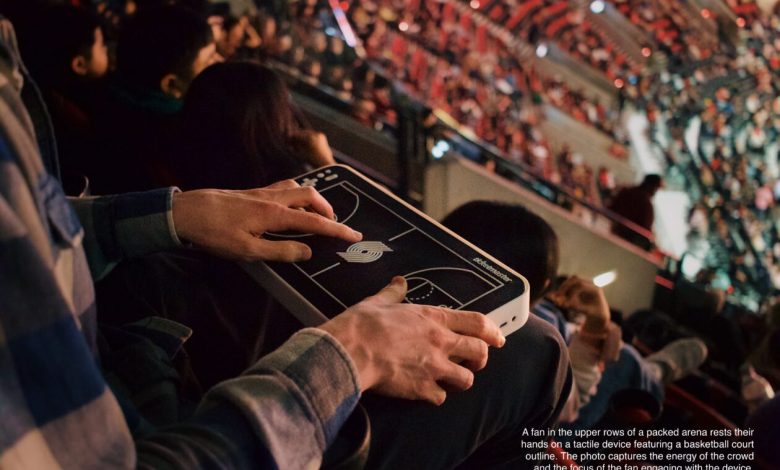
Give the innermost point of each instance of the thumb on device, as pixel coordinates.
(392, 293)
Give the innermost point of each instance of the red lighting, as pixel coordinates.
(706, 13)
(619, 83)
(646, 51)
(741, 22)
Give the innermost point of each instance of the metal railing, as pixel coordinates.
(529, 178)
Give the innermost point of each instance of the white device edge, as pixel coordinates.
(506, 317)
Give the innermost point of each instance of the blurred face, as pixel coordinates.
(320, 43)
(97, 65)
(336, 45)
(216, 22)
(269, 29)
(284, 44)
(233, 38)
(176, 86)
(315, 69)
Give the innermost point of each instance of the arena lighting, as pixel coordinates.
(403, 26)
(605, 279)
(541, 50)
(597, 6)
(741, 22)
(474, 4)
(439, 149)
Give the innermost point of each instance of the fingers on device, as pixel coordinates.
(440, 267)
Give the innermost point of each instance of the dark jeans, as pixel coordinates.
(524, 385)
(222, 305)
(629, 371)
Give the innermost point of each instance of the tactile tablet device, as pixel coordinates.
(440, 267)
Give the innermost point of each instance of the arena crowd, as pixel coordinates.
(146, 146)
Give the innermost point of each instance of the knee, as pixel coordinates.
(540, 343)
(536, 356)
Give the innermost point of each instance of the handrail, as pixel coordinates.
(293, 75)
(523, 171)
(519, 169)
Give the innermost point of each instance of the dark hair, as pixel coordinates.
(652, 181)
(229, 21)
(159, 41)
(514, 235)
(60, 33)
(237, 122)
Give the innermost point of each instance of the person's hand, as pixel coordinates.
(313, 147)
(231, 223)
(582, 296)
(413, 351)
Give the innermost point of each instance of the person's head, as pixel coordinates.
(312, 67)
(284, 44)
(234, 31)
(319, 42)
(267, 28)
(652, 183)
(242, 110)
(65, 46)
(165, 49)
(515, 236)
(336, 45)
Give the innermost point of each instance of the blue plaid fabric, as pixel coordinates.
(55, 408)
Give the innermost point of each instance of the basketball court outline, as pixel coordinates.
(477, 270)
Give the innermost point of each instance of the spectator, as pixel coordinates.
(159, 53)
(529, 245)
(67, 416)
(636, 205)
(247, 421)
(239, 114)
(238, 37)
(65, 50)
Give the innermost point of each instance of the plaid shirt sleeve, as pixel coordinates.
(308, 389)
(55, 408)
(124, 226)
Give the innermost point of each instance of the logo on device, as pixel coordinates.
(364, 252)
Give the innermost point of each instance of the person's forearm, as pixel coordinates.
(283, 412)
(585, 368)
(126, 225)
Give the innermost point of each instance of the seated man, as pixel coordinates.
(160, 51)
(287, 407)
(526, 243)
